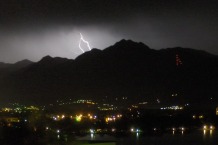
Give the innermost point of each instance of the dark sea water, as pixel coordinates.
(198, 137)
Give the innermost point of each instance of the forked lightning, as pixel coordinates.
(83, 40)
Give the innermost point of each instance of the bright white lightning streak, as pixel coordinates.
(87, 43)
(80, 46)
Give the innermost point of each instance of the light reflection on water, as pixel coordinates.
(137, 135)
(198, 137)
(211, 132)
(92, 136)
(205, 132)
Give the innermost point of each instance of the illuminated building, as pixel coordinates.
(10, 119)
(178, 60)
(172, 108)
(217, 111)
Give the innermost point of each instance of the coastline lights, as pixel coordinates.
(58, 131)
(135, 130)
(172, 108)
(92, 131)
(211, 127)
(208, 128)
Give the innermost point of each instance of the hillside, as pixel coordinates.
(127, 69)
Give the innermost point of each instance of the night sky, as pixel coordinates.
(31, 29)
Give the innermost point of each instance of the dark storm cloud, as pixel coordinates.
(33, 29)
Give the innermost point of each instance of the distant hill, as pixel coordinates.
(126, 69)
(7, 68)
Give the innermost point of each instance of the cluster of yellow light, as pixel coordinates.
(143, 103)
(200, 116)
(205, 127)
(113, 118)
(106, 109)
(7, 109)
(12, 119)
(109, 119)
(17, 109)
(90, 102)
(208, 128)
(90, 116)
(119, 115)
(79, 117)
(85, 102)
(32, 108)
(136, 130)
(172, 108)
(134, 106)
(58, 117)
(20, 109)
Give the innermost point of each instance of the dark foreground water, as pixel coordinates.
(199, 137)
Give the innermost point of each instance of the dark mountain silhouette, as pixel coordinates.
(4, 65)
(22, 63)
(7, 68)
(126, 69)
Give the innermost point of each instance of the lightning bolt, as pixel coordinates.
(80, 46)
(83, 40)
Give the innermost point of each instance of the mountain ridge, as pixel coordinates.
(126, 68)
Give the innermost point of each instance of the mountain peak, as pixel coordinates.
(127, 46)
(89, 54)
(46, 58)
(130, 43)
(25, 61)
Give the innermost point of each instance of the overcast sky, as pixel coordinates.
(31, 29)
